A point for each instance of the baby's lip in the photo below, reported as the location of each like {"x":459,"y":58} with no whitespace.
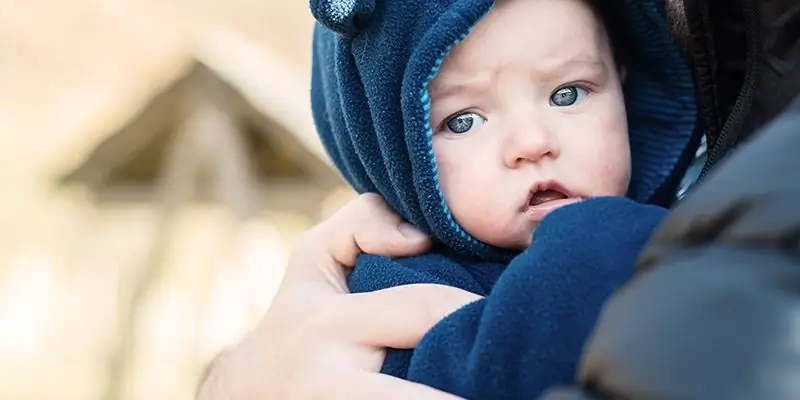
{"x":539,"y":211}
{"x":541,"y":186}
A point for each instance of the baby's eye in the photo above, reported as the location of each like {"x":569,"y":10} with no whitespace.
{"x":567,"y":96}
{"x":464,"y":122}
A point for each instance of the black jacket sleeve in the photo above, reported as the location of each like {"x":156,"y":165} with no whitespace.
{"x":714,"y":311}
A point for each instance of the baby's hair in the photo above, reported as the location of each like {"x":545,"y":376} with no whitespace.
{"x":678,"y":25}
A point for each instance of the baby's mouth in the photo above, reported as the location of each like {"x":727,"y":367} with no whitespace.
{"x":542,"y":202}
{"x":545,"y":196}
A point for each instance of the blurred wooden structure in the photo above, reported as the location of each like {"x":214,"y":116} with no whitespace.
{"x":216,"y":143}
{"x":159,"y":158}
{"x":198,"y":140}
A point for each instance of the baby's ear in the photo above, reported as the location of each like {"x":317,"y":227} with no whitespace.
{"x":348,"y":18}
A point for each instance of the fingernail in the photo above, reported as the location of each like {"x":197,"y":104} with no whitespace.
{"x":409,"y":231}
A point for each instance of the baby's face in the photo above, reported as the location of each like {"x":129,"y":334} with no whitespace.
{"x":528,"y":115}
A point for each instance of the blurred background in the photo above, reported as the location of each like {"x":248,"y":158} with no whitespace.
{"x":157,"y":161}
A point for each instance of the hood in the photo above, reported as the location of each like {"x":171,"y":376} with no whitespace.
{"x":373,"y":60}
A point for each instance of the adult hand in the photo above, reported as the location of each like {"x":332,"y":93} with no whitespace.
{"x":318,"y":341}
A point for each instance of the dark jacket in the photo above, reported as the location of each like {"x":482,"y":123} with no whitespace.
{"x":713,"y":310}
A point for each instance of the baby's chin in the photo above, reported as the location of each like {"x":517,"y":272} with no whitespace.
{"x":518,"y":241}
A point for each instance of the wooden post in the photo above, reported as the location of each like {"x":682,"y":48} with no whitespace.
{"x":176,"y":187}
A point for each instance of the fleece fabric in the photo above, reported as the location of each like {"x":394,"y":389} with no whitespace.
{"x":529,"y":330}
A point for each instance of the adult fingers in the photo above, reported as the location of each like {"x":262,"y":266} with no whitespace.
{"x":397,"y":317}
{"x":366,"y":224}
{"x":392,"y":239}
{"x":369,"y":225}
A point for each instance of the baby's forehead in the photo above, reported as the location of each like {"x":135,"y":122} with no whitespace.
{"x":537,"y":30}
{"x":513,"y":46}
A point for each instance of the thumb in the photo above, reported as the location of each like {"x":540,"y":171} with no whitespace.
{"x":398,"y":317}
{"x":398,"y":240}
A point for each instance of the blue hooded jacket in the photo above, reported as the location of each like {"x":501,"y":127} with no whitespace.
{"x":372,"y":62}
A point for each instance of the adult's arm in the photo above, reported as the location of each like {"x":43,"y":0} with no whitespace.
{"x":319,"y":342}
{"x":715,"y":310}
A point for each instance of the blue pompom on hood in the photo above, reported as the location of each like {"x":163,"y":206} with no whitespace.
{"x":373,"y":60}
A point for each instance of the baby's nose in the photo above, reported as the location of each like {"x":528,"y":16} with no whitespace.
{"x":530,"y":142}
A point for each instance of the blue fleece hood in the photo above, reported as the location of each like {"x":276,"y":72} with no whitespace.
{"x":373,"y":60}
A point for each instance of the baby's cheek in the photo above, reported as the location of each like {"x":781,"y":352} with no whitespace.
{"x":478,"y":212}
{"x":455,"y":184}
{"x":451,"y":183}
{"x":615,"y":181}
{"x":617,"y":177}
{"x":622,"y":172}
{"x":615,"y":167}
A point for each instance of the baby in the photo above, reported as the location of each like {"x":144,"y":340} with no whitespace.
{"x":501,"y":129}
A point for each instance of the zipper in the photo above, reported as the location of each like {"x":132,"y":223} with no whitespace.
{"x":741,"y":108}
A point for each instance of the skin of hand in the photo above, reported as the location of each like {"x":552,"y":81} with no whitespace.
{"x":317,"y":341}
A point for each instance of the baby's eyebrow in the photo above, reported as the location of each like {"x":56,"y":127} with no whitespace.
{"x":439,"y":90}
{"x":557,"y":67}
{"x":553,"y":68}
